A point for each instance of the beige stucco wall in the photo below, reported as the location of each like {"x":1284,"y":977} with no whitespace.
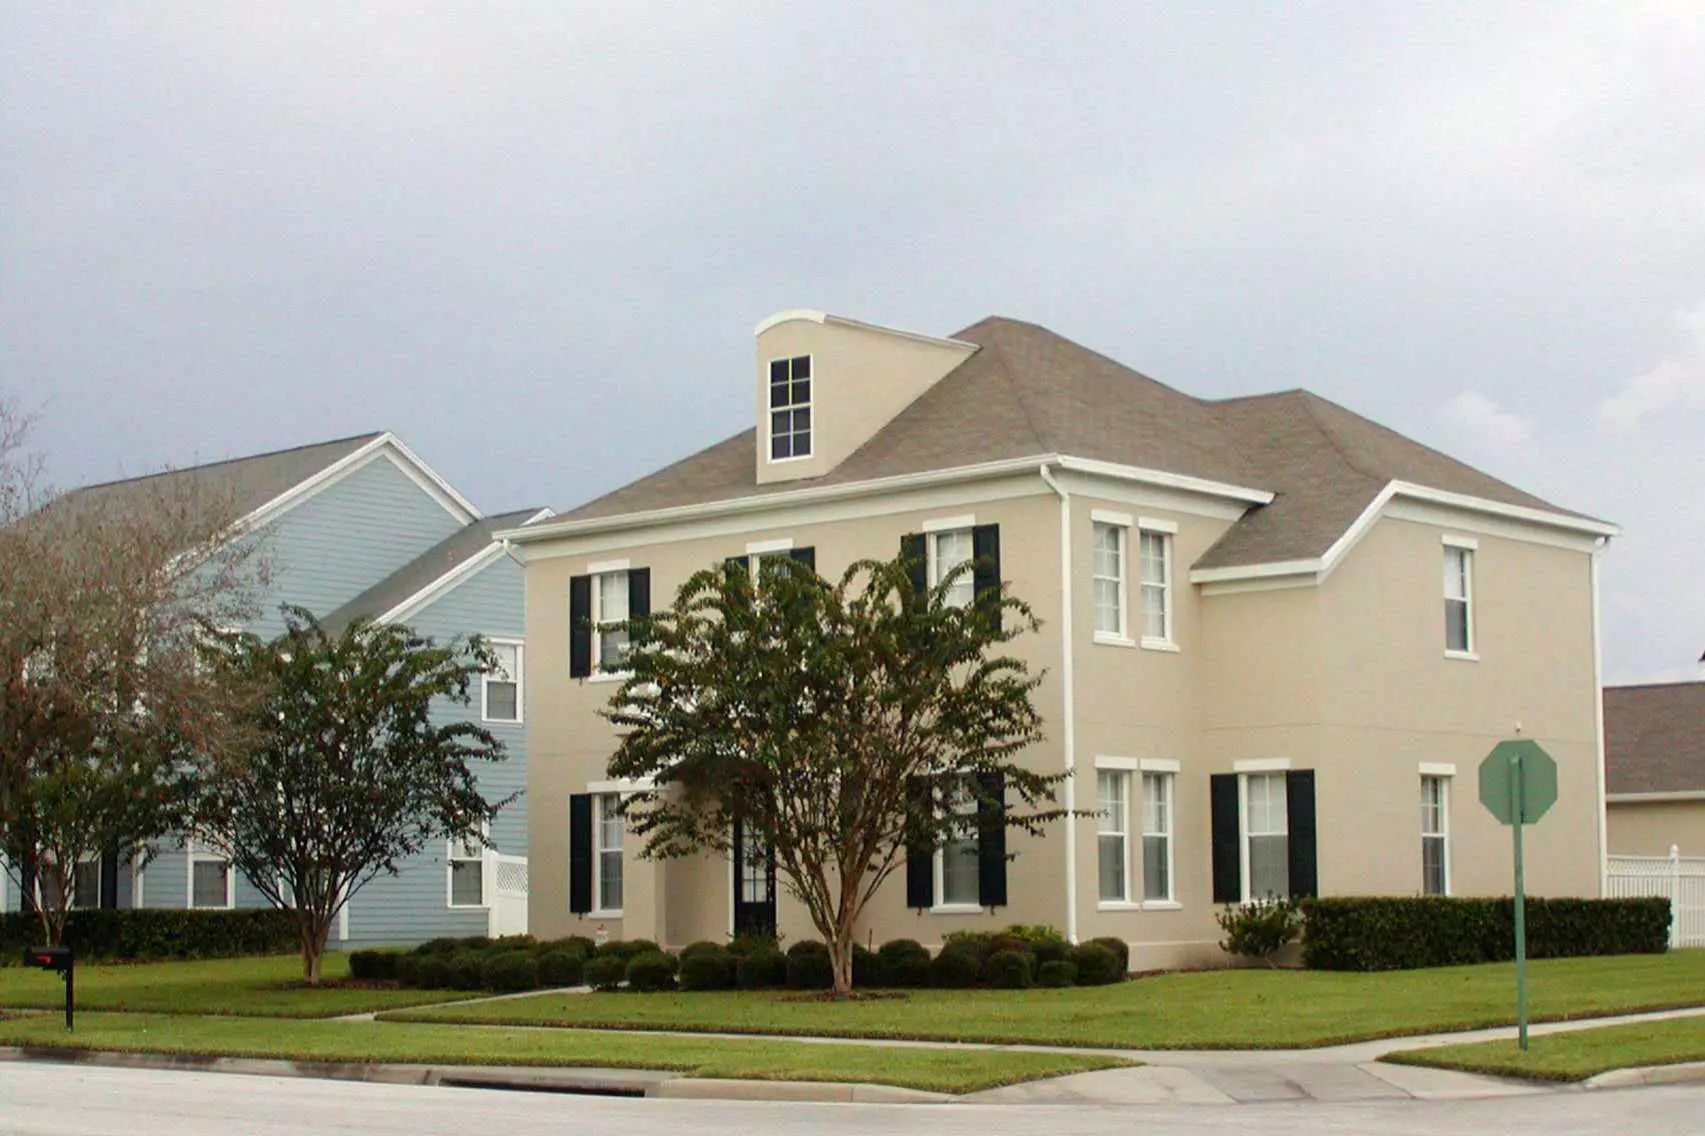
{"x":1651,"y":828}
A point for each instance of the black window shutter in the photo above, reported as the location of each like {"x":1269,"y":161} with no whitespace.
{"x":639,"y":593}
{"x":579,"y":626}
{"x":1299,"y":817}
{"x":991,"y":839}
{"x":806,"y":556}
{"x":920,"y":856}
{"x":1228,"y":865}
{"x":986,"y":571}
{"x":736,"y":564}
{"x":109,"y":880}
{"x":580,"y":853}
{"x":917,"y":561}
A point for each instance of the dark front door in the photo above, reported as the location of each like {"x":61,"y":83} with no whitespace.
{"x":754,"y":885}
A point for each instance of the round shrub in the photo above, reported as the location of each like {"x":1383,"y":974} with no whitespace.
{"x":407,"y":969}
{"x":651,"y":971}
{"x":702,"y":947}
{"x":865,"y":971}
{"x":1058,"y":972}
{"x":955,"y":968}
{"x":627,"y":948}
{"x":604,"y":972}
{"x":1006,"y":942}
{"x":578,"y":945}
{"x":808,"y":966}
{"x":1121,"y":951}
{"x":436,"y":947}
{"x":376,"y":966}
{"x":747,"y":943}
{"x":466,"y":971}
{"x":1096,"y":965}
{"x":560,"y":968}
{"x":761,"y":970}
{"x":510,"y":971}
{"x":979,"y":943}
{"x":1049,"y":950}
{"x":711,"y":969}
{"x":514,"y":942}
{"x":474,"y":943}
{"x":432,"y":972}
{"x":903,"y":964}
{"x":1010,"y":970}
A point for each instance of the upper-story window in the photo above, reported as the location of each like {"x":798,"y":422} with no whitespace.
{"x":790,"y":408}
{"x":500,"y":687}
{"x":1109,"y":579}
{"x":1154,"y":556}
{"x":1459,"y":600}
{"x":948,"y":549}
{"x":609,"y":637}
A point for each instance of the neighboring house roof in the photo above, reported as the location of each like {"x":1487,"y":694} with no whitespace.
{"x":1654,"y":738}
{"x":1028,"y":392}
{"x":428,"y":572}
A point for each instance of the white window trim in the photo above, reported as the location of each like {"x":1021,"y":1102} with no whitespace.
{"x":598,"y":850}
{"x":1243,"y":822}
{"x":194,"y":855}
{"x":1170,"y":780}
{"x":1437,"y":768}
{"x":939,"y":871}
{"x":1121,"y":524}
{"x":810,"y":404}
{"x":598,"y":567}
{"x":1262,"y":765}
{"x":949,"y":524}
{"x":598,"y":674}
{"x":451,"y":859}
{"x":520,"y":684}
{"x":1445,"y":785}
{"x":760,"y":547}
{"x":932,"y":572}
{"x":1149,"y":764}
{"x":1451,"y":540}
{"x":1168,"y":530}
{"x":1469,"y":550}
{"x":1126,"y":903}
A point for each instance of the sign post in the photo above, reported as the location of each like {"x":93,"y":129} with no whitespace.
{"x":60,"y":959}
{"x":1518,"y":785}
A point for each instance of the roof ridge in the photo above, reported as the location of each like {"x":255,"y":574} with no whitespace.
{"x":1309,"y":400}
{"x":170,"y":470}
{"x":998,"y":358}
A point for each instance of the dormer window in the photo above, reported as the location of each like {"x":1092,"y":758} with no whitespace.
{"x":790,"y":408}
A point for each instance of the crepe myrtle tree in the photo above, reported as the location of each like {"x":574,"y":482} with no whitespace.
{"x":842,"y":725}
{"x":348,"y":773}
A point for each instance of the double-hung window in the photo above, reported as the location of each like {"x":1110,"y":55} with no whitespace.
{"x":957,"y":858}
{"x":1124,"y":864}
{"x":948,"y":550}
{"x":1113,"y":834}
{"x":1157,"y":837}
{"x":1108,"y":581}
{"x":500,"y":687}
{"x":607,"y":852}
{"x":790,"y":408}
{"x":1459,"y":600}
{"x":1435,"y":835}
{"x":211,"y":883}
{"x":1266,"y":836}
{"x":610,"y":611}
{"x":467,"y":873}
{"x":1154,"y":565}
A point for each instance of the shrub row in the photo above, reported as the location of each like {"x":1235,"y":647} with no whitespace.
{"x":157,"y":933}
{"x":1381,"y":933}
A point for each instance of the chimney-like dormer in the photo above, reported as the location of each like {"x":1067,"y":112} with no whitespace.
{"x":826,"y":384}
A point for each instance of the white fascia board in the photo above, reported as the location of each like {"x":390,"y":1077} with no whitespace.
{"x":405,"y":459}
{"x":1654,"y":798}
{"x":809,"y":315}
{"x":812,"y":315}
{"x":442,"y":491}
{"x":1165,"y":480}
{"x":1533,"y":516}
{"x":1256,"y":571}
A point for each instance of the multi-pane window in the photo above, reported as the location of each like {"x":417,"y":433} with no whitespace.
{"x":947,"y":551}
{"x":1435,"y":836}
{"x":86,"y":884}
{"x":610,"y":611}
{"x":607,"y":858}
{"x":790,"y":408}
{"x":1459,"y":600}
{"x":1157,"y":837}
{"x":1113,"y":834}
{"x":467,"y":873}
{"x":958,"y":858}
{"x":209,"y":878}
{"x":1109,"y":578}
{"x":500,"y":696}
{"x":1154,"y":556}
{"x":1266,"y":833}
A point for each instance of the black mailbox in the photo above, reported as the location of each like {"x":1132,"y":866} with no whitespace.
{"x":60,"y":959}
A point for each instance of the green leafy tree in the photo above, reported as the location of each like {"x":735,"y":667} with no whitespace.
{"x":840,"y":724}
{"x":348,"y":773}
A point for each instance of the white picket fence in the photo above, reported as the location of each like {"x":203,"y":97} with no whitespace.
{"x":507,"y":876}
{"x":1678,"y":878}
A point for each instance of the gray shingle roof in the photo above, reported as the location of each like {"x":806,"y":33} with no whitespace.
{"x":429,"y":566}
{"x":1654,"y":738}
{"x":1027,"y":392}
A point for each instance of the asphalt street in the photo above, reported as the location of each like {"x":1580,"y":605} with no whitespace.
{"x":64,"y":1100}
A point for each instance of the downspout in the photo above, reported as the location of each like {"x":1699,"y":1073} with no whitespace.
{"x":1598,"y":711}
{"x":1068,"y":708}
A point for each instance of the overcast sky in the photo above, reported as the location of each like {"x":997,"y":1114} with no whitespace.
{"x":533,"y":242}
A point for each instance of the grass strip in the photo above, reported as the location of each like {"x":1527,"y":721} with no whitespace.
{"x":937,"y":1070}
{"x":1572,"y":1056}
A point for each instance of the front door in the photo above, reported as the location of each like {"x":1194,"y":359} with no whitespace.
{"x":754,"y":885}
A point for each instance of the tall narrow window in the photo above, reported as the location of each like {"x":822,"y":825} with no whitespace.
{"x":210,"y":881}
{"x":1157,"y":837}
{"x":1155,"y":555}
{"x":500,"y":687}
{"x":1459,"y":600}
{"x":790,"y":408}
{"x":608,"y":858}
{"x":1435,"y":835}
{"x":1109,"y":579}
{"x":467,"y":873}
{"x":610,"y":605}
{"x":947,"y":551}
{"x":1113,"y":834}
{"x":957,"y":858}
{"x":1266,"y":833}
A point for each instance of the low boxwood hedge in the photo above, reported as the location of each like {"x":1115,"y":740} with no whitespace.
{"x":1009,"y":969}
{"x":650,"y":971}
{"x":1096,"y":965}
{"x":1404,"y":933}
{"x":709,"y":967}
{"x":761,"y":970}
{"x":560,"y":968}
{"x":151,"y":934}
{"x":374,"y":966}
{"x":808,"y":966}
{"x":510,"y":971}
{"x":903,"y":964}
{"x":1056,"y":972}
{"x":604,"y":972}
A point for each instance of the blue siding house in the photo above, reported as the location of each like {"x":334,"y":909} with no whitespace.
{"x":362,"y":527}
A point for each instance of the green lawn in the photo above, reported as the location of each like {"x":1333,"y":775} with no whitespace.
{"x":1573,"y":1056}
{"x":941,"y":1070}
{"x":261,"y":987}
{"x":1206,"y":1010}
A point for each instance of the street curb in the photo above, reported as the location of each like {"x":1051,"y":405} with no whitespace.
{"x":1692,"y":1072}
{"x":710,"y":1088}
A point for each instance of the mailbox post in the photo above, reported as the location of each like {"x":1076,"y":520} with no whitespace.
{"x":62,"y":960}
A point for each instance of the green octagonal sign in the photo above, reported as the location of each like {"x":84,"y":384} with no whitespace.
{"x":1513,"y":768}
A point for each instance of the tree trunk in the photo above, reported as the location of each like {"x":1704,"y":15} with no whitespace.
{"x":314,"y":930}
{"x":840,"y":958}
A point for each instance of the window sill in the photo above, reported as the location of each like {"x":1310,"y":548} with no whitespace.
{"x":468,"y":906}
{"x":608,"y":676}
{"x":957,"y":909}
{"x":1159,"y":645}
{"x":616,"y":914}
{"x":1463,"y":656}
{"x":1108,"y":639}
{"x":501,"y":722}
{"x":1146,"y":905}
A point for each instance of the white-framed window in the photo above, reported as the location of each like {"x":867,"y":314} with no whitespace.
{"x":465,"y":864}
{"x":1154,"y":564}
{"x":1157,"y":837}
{"x":85,"y":891}
{"x":957,"y":881}
{"x":1108,"y":551}
{"x":1113,"y":827}
{"x":609,"y":612}
{"x":790,"y":408}
{"x":607,"y":853}
{"x":948,"y":549}
{"x":1266,"y":836}
{"x":212,"y":883}
{"x":1459,"y":600}
{"x":1435,"y":835}
{"x":500,"y":687}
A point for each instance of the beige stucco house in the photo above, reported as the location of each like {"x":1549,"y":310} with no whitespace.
{"x":1655,"y":768}
{"x":1278,"y":637}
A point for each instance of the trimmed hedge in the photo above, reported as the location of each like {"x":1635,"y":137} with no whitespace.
{"x":1392,"y":933}
{"x":809,"y":967}
{"x":151,"y":934}
{"x":560,"y":968}
{"x":706,"y":966}
{"x":432,"y":972}
{"x":375,"y":966}
{"x":651,"y":971}
{"x":467,"y":970}
{"x":1010,"y":970}
{"x":1059,"y":972}
{"x":761,"y":970}
{"x":510,"y":971}
{"x":955,"y":968}
{"x":903,"y":963}
{"x":604,"y":972}
{"x":1096,"y":965}
{"x":866,"y":973}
